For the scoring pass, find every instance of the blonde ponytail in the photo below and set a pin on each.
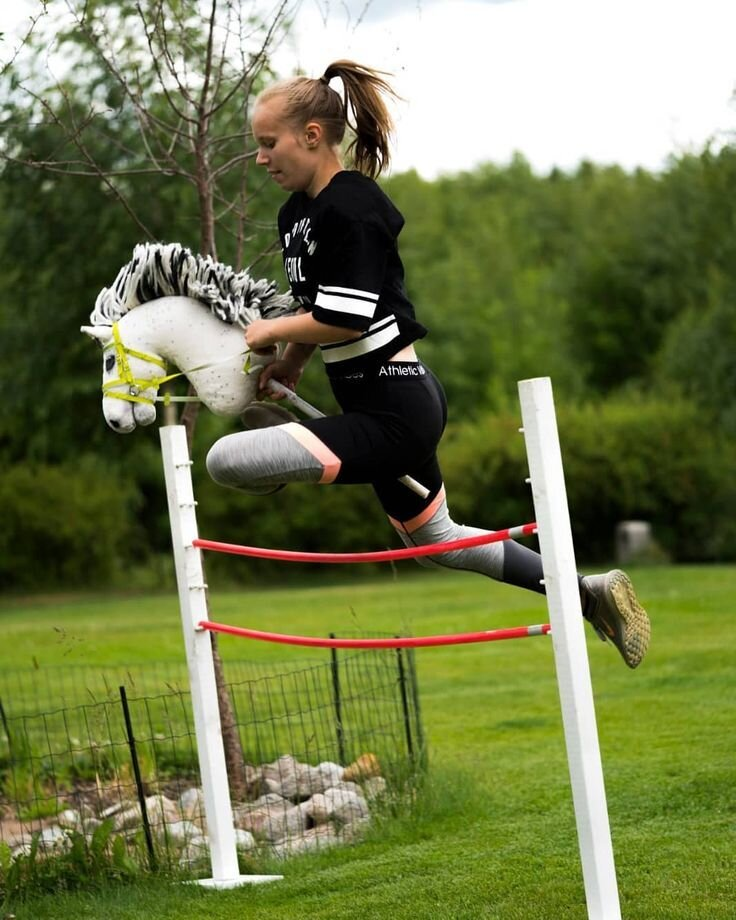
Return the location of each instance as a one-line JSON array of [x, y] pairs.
[[361, 108]]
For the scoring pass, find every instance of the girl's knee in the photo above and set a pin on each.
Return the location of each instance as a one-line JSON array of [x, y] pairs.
[[216, 465], [225, 463]]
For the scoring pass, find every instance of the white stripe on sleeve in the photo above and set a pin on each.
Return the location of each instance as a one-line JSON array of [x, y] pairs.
[[346, 300], [377, 336]]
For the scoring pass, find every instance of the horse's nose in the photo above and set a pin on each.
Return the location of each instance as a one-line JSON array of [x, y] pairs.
[[114, 423]]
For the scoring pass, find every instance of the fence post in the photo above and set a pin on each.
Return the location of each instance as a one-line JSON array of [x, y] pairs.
[[405, 704], [6, 728], [570, 652], [208, 730], [138, 780], [338, 703], [418, 729]]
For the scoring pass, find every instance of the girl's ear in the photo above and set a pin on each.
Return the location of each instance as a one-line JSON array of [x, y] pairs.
[[313, 133]]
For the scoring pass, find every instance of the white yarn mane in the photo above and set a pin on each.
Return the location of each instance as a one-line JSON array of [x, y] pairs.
[[170, 269]]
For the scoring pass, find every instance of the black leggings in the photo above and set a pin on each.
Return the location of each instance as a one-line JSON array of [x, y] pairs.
[[393, 419]]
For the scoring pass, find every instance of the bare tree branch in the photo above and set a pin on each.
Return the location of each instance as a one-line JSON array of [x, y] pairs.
[[257, 60], [159, 30], [25, 39]]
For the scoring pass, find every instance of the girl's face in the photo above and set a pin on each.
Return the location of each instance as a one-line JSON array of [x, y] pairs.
[[288, 155]]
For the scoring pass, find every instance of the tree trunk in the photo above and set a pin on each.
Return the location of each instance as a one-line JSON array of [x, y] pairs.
[[234, 760]]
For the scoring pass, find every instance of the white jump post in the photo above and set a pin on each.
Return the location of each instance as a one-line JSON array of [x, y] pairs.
[[570, 653], [192, 601]]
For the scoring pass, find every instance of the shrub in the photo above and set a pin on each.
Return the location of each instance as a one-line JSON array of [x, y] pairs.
[[640, 458], [68, 524]]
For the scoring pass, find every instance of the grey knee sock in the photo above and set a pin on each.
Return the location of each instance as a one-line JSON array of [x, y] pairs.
[[507, 561], [256, 461], [486, 559]]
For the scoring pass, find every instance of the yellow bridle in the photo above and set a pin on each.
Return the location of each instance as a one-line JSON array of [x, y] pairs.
[[136, 384], [126, 378]]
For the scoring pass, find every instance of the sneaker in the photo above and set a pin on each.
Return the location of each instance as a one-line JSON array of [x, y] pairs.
[[611, 607]]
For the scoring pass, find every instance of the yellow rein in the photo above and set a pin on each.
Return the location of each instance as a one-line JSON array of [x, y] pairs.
[[135, 384]]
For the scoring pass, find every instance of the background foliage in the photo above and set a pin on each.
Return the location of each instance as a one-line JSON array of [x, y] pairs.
[[620, 286]]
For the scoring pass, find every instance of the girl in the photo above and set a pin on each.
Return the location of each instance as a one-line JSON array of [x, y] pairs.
[[339, 235]]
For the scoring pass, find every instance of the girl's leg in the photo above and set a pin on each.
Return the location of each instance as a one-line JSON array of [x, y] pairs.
[[608, 600], [507, 561], [261, 460]]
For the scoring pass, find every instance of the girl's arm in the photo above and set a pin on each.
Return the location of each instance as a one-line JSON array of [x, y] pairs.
[[302, 333], [302, 328]]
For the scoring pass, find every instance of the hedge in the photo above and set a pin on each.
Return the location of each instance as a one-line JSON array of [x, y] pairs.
[[640, 459], [69, 525]]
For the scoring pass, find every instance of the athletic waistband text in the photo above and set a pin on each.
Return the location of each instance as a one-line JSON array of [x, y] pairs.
[[401, 370]]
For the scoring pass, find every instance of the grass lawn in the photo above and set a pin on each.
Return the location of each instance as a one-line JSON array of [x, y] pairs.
[[494, 836]]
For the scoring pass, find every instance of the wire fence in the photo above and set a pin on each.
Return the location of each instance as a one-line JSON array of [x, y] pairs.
[[324, 742]]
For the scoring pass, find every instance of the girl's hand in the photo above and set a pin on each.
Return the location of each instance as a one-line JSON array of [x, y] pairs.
[[283, 370], [259, 336]]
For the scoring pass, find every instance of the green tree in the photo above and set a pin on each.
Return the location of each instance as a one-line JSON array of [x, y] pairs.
[[154, 113]]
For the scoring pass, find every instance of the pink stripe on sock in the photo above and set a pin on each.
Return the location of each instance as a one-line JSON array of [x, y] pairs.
[[416, 522], [331, 463]]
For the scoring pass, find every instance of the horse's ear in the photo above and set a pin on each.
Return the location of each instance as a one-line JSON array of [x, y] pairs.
[[102, 334]]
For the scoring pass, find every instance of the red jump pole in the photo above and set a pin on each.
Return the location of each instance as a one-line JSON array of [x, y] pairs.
[[387, 555], [489, 635]]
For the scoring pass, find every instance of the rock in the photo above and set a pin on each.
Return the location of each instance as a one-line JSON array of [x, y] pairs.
[[280, 824], [69, 819], [161, 810], [349, 833], [353, 812], [345, 806], [271, 786], [281, 775], [23, 849], [633, 541], [271, 817], [54, 838], [364, 767], [254, 783], [191, 804], [317, 838], [254, 816], [183, 831], [244, 840], [317, 808], [129, 817], [295, 781], [374, 788], [195, 850], [114, 809], [270, 798], [343, 786], [332, 773]]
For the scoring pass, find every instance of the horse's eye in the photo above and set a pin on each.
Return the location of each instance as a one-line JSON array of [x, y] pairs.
[[109, 363]]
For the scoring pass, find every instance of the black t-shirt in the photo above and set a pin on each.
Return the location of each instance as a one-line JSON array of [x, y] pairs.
[[342, 261]]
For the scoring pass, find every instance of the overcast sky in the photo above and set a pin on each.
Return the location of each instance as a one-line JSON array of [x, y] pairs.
[[614, 81]]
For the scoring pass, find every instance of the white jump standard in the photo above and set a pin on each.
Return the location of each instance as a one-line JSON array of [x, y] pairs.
[[568, 640], [570, 654], [207, 727]]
